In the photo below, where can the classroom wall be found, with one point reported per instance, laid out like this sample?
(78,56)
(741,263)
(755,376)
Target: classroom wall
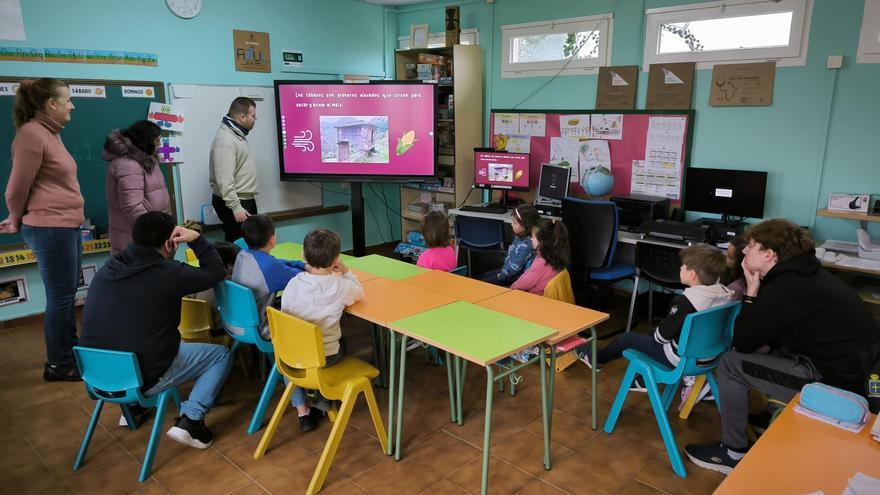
(336,36)
(819,136)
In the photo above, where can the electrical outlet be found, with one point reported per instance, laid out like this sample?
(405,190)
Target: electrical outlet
(834,62)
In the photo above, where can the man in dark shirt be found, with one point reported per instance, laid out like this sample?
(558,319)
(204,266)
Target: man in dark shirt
(134,304)
(811,322)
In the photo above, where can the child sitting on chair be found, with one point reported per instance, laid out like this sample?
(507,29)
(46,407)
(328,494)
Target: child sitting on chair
(550,241)
(521,252)
(440,254)
(701,266)
(322,292)
(735,279)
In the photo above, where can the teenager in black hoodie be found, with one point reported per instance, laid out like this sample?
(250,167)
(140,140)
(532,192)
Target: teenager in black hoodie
(134,304)
(813,323)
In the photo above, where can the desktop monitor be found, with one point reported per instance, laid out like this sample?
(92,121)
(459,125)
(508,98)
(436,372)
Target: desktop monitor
(553,184)
(501,170)
(737,193)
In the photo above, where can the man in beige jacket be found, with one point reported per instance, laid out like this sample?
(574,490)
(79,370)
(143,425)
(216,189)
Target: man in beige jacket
(233,174)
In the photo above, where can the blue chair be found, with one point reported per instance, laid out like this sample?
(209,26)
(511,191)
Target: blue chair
(462,270)
(704,337)
(115,377)
(238,308)
(240,243)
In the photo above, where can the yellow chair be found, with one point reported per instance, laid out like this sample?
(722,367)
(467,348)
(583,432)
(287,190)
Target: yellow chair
(191,255)
(299,356)
(559,288)
(195,320)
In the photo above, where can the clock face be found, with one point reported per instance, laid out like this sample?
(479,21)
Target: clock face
(186,9)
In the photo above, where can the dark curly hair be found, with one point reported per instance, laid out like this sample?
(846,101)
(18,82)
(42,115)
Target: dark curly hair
(784,237)
(142,135)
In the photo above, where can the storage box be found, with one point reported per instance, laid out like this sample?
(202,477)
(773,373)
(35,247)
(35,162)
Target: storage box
(856,203)
(430,58)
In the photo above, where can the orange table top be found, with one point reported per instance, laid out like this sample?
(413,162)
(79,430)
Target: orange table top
(388,300)
(799,455)
(363,276)
(456,286)
(566,319)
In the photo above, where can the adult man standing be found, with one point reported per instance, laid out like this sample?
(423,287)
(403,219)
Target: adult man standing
(233,174)
(812,322)
(134,304)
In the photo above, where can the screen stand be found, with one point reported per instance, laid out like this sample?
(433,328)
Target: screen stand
(359,238)
(505,201)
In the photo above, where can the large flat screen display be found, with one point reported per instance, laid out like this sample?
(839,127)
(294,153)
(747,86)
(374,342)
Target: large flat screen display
(384,131)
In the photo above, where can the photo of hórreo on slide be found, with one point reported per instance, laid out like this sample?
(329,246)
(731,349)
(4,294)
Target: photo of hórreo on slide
(354,139)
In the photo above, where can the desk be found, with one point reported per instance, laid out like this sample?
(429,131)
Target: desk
(294,251)
(461,288)
(799,455)
(483,337)
(566,319)
(504,217)
(383,267)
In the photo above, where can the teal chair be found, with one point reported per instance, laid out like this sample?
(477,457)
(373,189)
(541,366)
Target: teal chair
(240,243)
(704,337)
(238,308)
(115,377)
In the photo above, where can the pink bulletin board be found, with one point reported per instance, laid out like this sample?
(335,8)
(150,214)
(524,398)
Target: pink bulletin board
(631,146)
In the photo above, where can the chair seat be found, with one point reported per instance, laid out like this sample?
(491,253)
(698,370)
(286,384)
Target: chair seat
(635,355)
(613,272)
(344,370)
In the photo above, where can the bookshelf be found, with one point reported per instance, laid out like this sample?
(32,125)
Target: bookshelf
(459,129)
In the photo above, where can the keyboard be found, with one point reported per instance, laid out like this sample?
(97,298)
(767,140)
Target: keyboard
(483,209)
(677,231)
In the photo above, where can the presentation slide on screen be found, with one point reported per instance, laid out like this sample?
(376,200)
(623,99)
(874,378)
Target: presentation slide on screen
(357,129)
(501,170)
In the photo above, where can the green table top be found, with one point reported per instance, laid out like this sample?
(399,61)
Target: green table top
(384,267)
(294,251)
(477,334)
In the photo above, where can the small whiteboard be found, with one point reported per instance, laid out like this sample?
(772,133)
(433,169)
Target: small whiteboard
(204,108)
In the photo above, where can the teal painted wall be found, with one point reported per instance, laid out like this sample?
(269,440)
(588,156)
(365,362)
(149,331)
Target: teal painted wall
(336,36)
(786,139)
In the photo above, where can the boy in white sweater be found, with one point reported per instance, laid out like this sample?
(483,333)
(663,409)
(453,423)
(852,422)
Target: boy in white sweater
(321,294)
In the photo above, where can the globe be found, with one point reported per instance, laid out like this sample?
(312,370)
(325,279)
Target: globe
(598,182)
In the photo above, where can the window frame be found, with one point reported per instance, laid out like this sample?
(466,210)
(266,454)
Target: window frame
(869,36)
(603,23)
(793,54)
(439,39)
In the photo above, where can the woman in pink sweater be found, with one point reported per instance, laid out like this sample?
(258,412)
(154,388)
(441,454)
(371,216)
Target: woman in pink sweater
(550,240)
(45,203)
(135,184)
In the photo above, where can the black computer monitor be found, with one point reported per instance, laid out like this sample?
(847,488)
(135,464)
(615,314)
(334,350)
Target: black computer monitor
(554,181)
(737,193)
(501,170)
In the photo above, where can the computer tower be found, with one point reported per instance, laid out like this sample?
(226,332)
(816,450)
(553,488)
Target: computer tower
(635,209)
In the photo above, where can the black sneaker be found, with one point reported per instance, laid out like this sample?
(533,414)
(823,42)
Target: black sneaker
(584,356)
(139,413)
(310,421)
(713,456)
(191,432)
(61,373)
(638,385)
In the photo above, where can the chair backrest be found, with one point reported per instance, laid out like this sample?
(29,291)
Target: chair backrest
(658,263)
(592,231)
(462,270)
(299,346)
(481,233)
(559,288)
(195,316)
(111,375)
(240,243)
(238,308)
(190,255)
(706,334)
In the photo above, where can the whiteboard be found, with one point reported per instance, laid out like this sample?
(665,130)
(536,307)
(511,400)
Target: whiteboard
(204,107)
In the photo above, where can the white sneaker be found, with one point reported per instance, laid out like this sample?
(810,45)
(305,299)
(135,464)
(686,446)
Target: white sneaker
(585,358)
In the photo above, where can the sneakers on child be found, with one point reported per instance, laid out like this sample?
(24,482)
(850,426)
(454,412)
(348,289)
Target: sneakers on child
(59,373)
(585,357)
(191,432)
(310,421)
(713,456)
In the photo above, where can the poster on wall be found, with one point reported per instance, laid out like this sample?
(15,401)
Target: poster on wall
(670,86)
(742,85)
(616,88)
(251,51)
(13,291)
(169,149)
(168,117)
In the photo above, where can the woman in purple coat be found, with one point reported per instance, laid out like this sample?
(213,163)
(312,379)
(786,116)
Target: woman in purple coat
(135,184)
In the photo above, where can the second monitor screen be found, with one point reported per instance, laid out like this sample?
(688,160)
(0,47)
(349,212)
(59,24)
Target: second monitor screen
(501,170)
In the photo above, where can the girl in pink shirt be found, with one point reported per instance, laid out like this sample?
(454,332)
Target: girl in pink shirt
(550,240)
(441,254)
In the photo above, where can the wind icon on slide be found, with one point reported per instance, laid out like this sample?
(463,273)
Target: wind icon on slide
(405,142)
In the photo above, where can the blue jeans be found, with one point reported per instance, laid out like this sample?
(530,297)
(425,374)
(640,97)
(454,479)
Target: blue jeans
(632,340)
(59,256)
(208,365)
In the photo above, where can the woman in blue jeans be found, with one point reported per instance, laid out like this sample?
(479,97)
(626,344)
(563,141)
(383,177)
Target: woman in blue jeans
(45,204)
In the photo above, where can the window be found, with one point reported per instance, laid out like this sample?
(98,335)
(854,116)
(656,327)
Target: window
(729,31)
(869,41)
(438,40)
(578,45)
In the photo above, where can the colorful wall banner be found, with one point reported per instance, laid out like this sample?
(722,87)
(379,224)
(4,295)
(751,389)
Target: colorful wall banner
(138,92)
(73,55)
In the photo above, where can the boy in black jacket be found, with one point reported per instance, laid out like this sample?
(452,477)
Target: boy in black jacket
(812,322)
(134,304)
(701,267)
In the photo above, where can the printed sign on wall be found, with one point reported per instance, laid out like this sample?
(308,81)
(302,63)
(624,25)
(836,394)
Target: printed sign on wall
(251,51)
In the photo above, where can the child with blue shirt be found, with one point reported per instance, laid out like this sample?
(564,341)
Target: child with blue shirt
(521,253)
(266,275)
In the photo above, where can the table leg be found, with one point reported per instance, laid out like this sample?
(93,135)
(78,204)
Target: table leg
(462,379)
(593,371)
(403,339)
(391,371)
(552,391)
(487,429)
(377,343)
(544,404)
(452,391)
